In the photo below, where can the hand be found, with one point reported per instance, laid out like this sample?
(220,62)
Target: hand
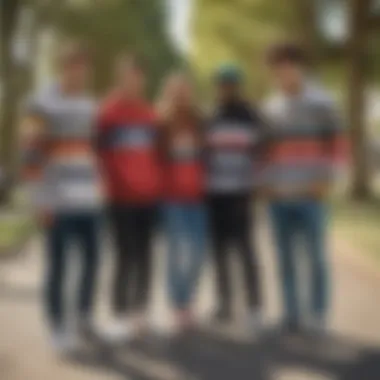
(320,190)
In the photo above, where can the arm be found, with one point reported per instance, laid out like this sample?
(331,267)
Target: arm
(265,137)
(261,149)
(108,162)
(334,149)
(33,160)
(162,135)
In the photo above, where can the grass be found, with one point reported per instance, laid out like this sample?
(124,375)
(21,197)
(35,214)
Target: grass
(14,230)
(16,224)
(359,225)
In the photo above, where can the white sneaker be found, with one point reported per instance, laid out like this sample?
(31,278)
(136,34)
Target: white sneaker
(255,323)
(84,330)
(119,332)
(63,343)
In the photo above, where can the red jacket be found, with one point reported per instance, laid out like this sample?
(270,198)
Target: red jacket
(128,150)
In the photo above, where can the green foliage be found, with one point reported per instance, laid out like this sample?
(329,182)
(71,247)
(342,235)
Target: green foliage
(123,25)
(239,31)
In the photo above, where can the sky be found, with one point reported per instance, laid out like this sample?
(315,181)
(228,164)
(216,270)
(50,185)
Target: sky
(179,12)
(334,19)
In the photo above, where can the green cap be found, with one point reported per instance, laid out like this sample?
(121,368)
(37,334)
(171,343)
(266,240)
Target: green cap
(228,73)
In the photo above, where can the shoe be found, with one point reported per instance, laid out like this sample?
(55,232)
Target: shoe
(63,343)
(185,320)
(223,315)
(119,332)
(85,330)
(316,326)
(290,327)
(255,322)
(141,321)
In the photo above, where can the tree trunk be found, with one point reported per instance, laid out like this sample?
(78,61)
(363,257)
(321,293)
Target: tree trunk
(16,81)
(308,26)
(357,61)
(9,103)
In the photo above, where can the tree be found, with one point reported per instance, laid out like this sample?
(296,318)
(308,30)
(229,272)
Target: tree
(357,79)
(17,77)
(10,88)
(120,25)
(239,31)
(112,25)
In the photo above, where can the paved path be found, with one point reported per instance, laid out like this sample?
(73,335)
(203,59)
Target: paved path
(211,353)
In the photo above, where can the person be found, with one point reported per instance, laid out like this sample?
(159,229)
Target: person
(128,146)
(184,212)
(60,168)
(306,144)
(234,137)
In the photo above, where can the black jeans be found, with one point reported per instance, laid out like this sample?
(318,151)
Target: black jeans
(81,228)
(132,228)
(231,224)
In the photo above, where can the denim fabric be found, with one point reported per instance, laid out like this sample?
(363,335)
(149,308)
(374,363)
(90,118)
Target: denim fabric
(186,230)
(294,223)
(82,229)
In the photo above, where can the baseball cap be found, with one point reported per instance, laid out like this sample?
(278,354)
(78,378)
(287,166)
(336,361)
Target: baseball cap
(228,73)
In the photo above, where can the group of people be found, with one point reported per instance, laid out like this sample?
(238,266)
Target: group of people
(195,174)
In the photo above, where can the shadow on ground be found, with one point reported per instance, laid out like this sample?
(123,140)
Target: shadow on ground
(205,355)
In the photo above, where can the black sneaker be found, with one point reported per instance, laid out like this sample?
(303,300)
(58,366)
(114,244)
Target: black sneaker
(290,327)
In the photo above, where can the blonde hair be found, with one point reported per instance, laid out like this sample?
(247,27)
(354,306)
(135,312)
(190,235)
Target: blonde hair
(166,105)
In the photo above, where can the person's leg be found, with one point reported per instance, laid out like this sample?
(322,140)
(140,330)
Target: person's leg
(314,224)
(57,236)
(219,234)
(123,230)
(284,233)
(122,236)
(87,234)
(143,254)
(174,228)
(196,219)
(247,252)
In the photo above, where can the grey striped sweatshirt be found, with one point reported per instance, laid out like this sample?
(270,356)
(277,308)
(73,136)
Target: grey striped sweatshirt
(308,140)
(58,160)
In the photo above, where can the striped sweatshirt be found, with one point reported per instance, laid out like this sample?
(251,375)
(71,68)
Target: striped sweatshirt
(58,158)
(234,140)
(308,142)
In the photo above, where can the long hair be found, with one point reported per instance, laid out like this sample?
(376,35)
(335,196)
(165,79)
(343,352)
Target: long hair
(167,106)
(173,114)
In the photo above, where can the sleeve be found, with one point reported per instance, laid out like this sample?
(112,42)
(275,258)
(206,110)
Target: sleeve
(203,124)
(268,142)
(33,141)
(34,107)
(109,164)
(162,147)
(264,135)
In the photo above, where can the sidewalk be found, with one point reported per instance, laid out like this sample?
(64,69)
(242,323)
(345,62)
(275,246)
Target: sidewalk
(24,354)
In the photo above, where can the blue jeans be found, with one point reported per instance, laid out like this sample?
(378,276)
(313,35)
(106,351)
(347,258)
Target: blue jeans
(295,222)
(80,228)
(185,226)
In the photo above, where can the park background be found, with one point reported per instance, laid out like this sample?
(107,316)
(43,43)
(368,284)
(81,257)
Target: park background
(342,35)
